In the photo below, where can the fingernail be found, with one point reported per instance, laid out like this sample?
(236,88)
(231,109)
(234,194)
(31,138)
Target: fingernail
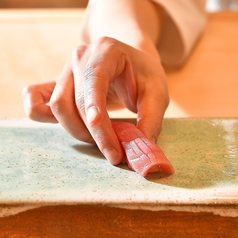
(111,154)
(92,114)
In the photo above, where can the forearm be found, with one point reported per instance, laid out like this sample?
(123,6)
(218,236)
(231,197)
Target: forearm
(136,23)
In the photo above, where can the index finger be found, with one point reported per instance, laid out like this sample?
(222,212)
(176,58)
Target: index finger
(93,76)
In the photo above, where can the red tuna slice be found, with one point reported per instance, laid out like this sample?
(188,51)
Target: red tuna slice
(143,155)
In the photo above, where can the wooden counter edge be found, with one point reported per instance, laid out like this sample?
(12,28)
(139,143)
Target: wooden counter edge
(104,221)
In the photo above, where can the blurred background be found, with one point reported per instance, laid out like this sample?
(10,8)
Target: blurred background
(211,6)
(38,36)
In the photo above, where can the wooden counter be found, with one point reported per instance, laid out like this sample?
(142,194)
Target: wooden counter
(206,86)
(103,221)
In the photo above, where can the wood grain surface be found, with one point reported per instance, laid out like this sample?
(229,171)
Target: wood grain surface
(103,221)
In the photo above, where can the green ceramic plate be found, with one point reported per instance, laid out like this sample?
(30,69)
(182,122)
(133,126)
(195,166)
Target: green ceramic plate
(41,163)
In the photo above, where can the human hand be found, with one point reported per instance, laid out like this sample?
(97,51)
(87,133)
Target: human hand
(104,75)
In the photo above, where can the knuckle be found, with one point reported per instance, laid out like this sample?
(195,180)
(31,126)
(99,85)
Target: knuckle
(108,44)
(28,90)
(32,112)
(57,103)
(27,94)
(105,40)
(78,52)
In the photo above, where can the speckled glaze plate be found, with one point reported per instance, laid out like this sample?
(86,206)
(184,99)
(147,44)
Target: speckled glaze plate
(42,164)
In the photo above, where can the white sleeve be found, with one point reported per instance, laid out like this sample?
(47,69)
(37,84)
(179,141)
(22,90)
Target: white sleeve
(183,23)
